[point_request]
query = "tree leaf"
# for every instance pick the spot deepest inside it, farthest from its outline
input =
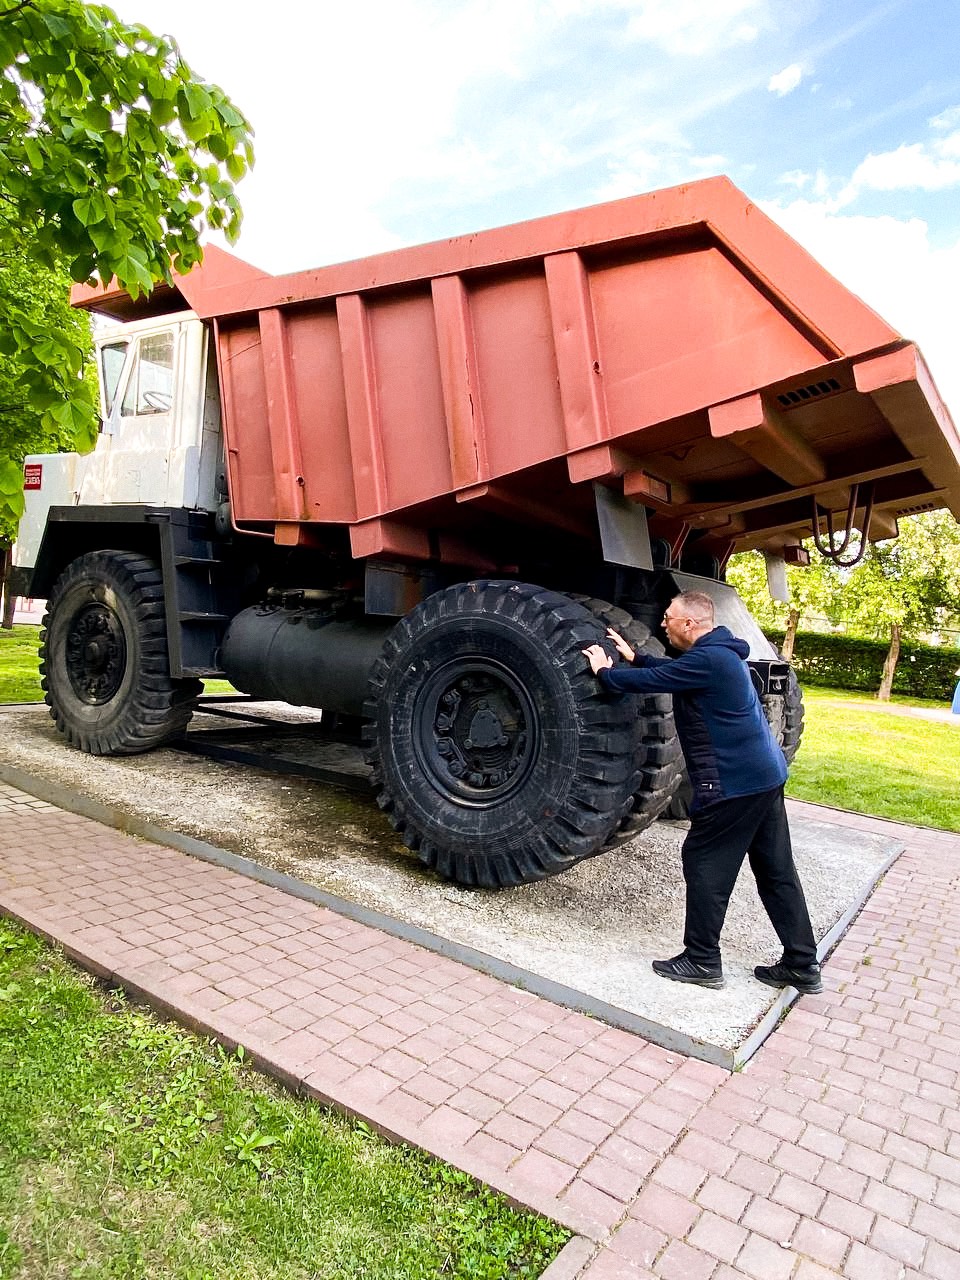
(196, 99)
(72, 416)
(90, 209)
(11, 476)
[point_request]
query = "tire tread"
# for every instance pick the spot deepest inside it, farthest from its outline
(158, 708)
(593, 803)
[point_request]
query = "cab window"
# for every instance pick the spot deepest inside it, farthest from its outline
(112, 357)
(150, 385)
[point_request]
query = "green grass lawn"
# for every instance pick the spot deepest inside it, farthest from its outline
(19, 678)
(130, 1150)
(856, 756)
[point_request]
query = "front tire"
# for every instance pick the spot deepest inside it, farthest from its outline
(104, 664)
(495, 752)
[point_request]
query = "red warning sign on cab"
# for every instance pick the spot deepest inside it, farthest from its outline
(33, 475)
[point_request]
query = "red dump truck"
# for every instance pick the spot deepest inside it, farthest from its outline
(410, 489)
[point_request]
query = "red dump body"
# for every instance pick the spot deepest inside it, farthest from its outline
(677, 346)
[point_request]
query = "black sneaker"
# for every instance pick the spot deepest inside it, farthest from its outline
(805, 979)
(682, 969)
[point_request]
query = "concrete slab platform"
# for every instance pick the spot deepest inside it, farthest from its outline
(584, 939)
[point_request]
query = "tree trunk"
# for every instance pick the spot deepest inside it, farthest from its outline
(791, 634)
(9, 601)
(890, 664)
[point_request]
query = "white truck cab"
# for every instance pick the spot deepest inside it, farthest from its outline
(159, 442)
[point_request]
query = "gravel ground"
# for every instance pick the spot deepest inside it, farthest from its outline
(595, 928)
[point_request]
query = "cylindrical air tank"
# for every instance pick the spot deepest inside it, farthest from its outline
(303, 656)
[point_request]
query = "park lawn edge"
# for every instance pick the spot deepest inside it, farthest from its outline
(131, 1147)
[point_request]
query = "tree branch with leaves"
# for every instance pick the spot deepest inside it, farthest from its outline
(904, 587)
(115, 159)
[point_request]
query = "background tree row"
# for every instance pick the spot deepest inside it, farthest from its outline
(905, 587)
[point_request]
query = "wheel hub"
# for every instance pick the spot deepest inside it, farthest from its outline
(486, 730)
(477, 732)
(96, 654)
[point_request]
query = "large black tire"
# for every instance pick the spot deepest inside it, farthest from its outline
(103, 657)
(495, 753)
(657, 755)
(784, 715)
(792, 713)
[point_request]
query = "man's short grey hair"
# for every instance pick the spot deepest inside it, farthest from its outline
(698, 606)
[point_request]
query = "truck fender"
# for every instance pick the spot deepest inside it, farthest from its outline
(181, 543)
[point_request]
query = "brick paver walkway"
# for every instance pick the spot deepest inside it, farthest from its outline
(836, 1152)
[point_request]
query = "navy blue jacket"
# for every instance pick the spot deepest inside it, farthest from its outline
(726, 740)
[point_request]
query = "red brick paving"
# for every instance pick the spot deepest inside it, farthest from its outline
(835, 1152)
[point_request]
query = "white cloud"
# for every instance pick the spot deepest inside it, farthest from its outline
(794, 178)
(913, 167)
(786, 81)
(949, 147)
(932, 165)
(692, 28)
(948, 119)
(893, 266)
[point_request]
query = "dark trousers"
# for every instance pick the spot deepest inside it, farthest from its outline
(720, 837)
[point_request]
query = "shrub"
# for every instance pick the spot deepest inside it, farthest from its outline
(845, 662)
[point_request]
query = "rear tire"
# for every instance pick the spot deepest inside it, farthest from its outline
(496, 754)
(658, 758)
(792, 717)
(103, 657)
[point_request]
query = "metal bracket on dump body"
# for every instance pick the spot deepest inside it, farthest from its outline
(623, 529)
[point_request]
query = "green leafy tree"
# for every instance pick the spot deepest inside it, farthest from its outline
(41, 297)
(906, 586)
(114, 160)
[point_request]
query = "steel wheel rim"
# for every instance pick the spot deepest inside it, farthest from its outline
(476, 732)
(96, 654)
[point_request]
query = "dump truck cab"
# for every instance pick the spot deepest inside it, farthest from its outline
(159, 441)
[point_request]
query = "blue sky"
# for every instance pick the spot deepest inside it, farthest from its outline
(398, 121)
